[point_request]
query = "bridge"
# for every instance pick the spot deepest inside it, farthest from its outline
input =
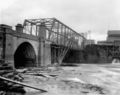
(38, 42)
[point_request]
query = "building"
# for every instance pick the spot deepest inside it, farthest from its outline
(113, 38)
(113, 35)
(89, 42)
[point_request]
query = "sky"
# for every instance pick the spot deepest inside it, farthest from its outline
(94, 17)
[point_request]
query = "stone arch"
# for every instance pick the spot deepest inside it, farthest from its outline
(25, 56)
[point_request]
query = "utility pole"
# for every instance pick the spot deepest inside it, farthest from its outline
(89, 34)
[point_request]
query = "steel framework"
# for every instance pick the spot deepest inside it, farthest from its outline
(51, 29)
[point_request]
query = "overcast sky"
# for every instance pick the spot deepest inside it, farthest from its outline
(98, 16)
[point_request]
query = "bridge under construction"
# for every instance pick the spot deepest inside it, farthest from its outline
(38, 42)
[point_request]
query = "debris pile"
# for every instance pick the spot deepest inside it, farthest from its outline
(61, 81)
(6, 87)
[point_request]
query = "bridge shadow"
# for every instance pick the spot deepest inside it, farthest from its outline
(25, 56)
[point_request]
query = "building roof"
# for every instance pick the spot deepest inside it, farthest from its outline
(113, 32)
(5, 26)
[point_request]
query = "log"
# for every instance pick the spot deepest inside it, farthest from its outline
(23, 84)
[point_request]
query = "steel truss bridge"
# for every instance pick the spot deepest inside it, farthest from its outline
(58, 34)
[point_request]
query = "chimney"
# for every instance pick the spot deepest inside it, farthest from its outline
(19, 28)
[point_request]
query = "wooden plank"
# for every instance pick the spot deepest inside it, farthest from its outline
(23, 84)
